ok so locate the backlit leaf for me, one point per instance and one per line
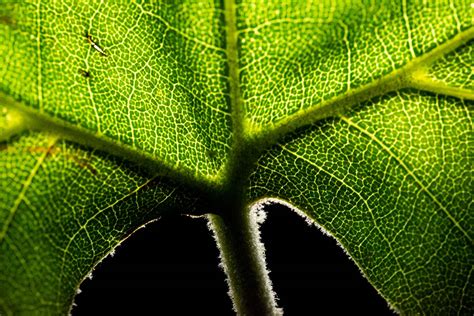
(357, 115)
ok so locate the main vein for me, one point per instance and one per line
(237, 166)
(38, 47)
(233, 63)
(80, 135)
(405, 77)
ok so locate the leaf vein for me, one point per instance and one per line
(408, 170)
(369, 209)
(25, 187)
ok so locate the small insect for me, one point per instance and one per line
(94, 45)
(84, 73)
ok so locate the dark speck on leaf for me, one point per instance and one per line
(84, 73)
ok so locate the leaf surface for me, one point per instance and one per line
(64, 208)
(391, 181)
(160, 90)
(358, 115)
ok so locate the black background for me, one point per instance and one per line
(171, 268)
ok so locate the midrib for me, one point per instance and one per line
(236, 169)
(233, 63)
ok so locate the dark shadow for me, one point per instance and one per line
(171, 268)
(168, 268)
(311, 274)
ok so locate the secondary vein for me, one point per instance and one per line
(422, 186)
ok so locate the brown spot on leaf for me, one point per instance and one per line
(50, 151)
(78, 157)
(84, 164)
(8, 20)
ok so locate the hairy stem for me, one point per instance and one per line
(235, 228)
(243, 259)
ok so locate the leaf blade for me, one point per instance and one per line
(164, 89)
(70, 212)
(358, 190)
(160, 102)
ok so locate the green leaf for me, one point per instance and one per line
(161, 80)
(392, 183)
(65, 207)
(358, 116)
(455, 69)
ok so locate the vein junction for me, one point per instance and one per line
(254, 139)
